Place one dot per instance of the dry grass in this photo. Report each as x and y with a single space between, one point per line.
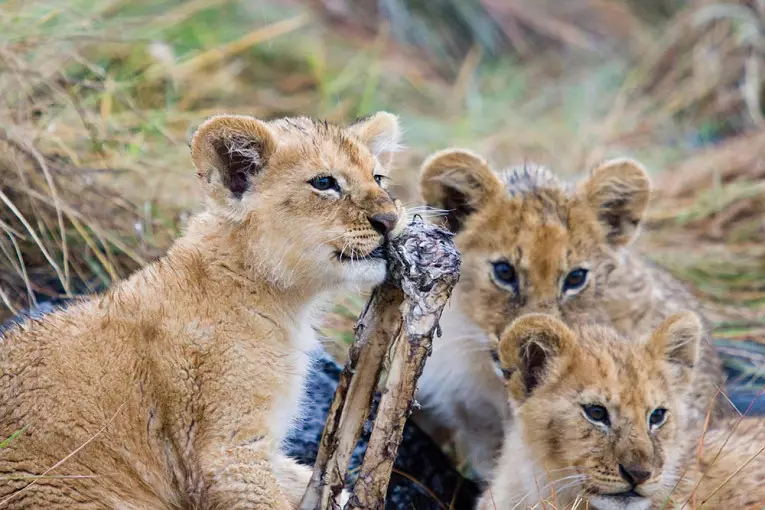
98 101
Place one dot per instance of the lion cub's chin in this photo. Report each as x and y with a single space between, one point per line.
365 273
619 503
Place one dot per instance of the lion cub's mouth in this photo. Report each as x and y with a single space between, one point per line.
628 500
625 495
352 256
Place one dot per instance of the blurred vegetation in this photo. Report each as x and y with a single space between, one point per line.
98 100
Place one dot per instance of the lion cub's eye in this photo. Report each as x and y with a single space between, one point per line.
324 183
505 273
379 179
575 279
657 417
596 414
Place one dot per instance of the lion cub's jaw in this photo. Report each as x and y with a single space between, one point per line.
552 246
596 410
305 201
619 503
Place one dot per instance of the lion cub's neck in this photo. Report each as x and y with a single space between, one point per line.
212 273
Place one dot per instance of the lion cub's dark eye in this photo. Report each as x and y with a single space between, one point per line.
596 413
324 183
505 273
379 179
575 279
657 417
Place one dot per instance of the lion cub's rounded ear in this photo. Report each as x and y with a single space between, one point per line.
678 339
228 151
381 133
527 348
618 190
458 181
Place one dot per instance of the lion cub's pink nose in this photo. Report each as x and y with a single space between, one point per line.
383 223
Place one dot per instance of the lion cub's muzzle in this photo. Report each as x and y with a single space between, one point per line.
383 224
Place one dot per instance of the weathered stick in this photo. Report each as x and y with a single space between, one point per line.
425 264
378 325
423 267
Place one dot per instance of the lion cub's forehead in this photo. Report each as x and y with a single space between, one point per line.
539 221
619 370
319 144
530 178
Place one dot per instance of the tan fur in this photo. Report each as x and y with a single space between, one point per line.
545 228
174 389
729 473
554 454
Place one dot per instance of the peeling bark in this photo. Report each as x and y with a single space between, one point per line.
378 325
423 267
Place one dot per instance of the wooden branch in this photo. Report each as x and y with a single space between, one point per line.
423 267
426 265
377 327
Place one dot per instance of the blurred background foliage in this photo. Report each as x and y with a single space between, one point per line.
99 98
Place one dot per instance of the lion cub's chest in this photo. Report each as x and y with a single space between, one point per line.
264 362
303 341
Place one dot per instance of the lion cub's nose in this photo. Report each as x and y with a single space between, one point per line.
383 223
634 474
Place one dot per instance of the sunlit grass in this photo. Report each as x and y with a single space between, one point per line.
6 442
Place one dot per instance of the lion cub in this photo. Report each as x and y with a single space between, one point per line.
601 422
533 243
174 389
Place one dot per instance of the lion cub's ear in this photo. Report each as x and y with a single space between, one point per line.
459 182
527 348
381 133
678 339
228 152
618 190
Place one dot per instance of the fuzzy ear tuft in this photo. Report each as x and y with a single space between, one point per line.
458 181
527 348
618 190
228 151
678 339
381 133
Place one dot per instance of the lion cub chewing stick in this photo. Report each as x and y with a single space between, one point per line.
602 423
174 389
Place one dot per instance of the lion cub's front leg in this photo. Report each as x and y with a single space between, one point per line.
292 477
243 476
